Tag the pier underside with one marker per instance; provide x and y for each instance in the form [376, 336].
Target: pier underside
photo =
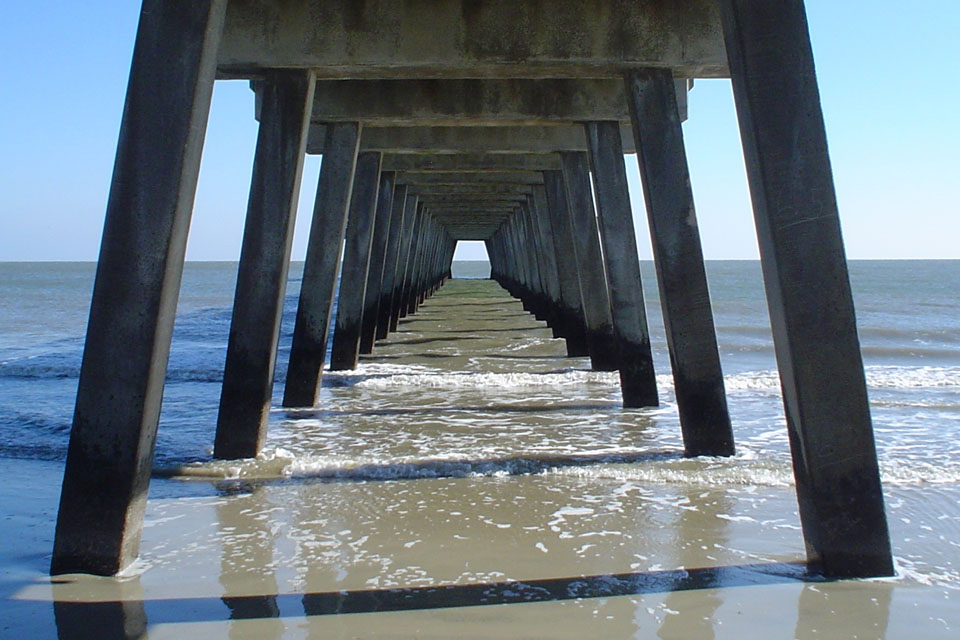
[499, 122]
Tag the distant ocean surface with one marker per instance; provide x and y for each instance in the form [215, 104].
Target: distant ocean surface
[909, 321]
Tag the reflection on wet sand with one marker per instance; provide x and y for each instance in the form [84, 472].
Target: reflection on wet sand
[119, 612]
[130, 616]
[246, 555]
[844, 610]
[699, 533]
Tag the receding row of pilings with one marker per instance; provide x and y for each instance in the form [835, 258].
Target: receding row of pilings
[394, 255]
[572, 262]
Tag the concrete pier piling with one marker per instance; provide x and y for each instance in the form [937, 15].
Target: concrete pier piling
[378, 250]
[390, 260]
[540, 219]
[286, 99]
[638, 382]
[324, 249]
[601, 337]
[411, 216]
[135, 293]
[500, 133]
[808, 287]
[571, 298]
[411, 272]
[356, 262]
[681, 277]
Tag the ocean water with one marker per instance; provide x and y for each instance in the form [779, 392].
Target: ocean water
[469, 425]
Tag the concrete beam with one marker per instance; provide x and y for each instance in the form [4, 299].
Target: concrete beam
[470, 237]
[467, 39]
[473, 211]
[460, 178]
[455, 140]
[431, 102]
[471, 162]
[467, 201]
[453, 218]
[430, 190]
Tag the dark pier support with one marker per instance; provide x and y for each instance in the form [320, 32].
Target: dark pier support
[135, 294]
[411, 218]
[378, 259]
[537, 203]
[601, 340]
[682, 279]
[638, 382]
[356, 263]
[286, 100]
[511, 277]
[427, 240]
[571, 301]
[530, 253]
[808, 288]
[413, 260]
[324, 248]
[392, 258]
[523, 275]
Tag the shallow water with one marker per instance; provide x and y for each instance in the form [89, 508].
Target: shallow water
[468, 451]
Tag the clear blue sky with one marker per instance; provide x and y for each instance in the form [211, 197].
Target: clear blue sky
[885, 71]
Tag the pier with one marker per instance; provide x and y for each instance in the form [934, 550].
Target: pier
[505, 123]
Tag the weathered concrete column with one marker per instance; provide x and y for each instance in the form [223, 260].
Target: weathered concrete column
[378, 260]
[429, 241]
[449, 251]
[432, 272]
[521, 275]
[808, 288]
[528, 251]
[110, 455]
[324, 248]
[423, 267]
[412, 212]
[492, 245]
[567, 271]
[549, 253]
[525, 270]
[420, 265]
[601, 340]
[548, 296]
[498, 262]
[563, 268]
[356, 262]
[398, 217]
[638, 382]
[410, 272]
[286, 99]
[682, 279]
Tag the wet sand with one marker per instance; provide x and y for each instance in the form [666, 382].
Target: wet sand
[584, 550]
